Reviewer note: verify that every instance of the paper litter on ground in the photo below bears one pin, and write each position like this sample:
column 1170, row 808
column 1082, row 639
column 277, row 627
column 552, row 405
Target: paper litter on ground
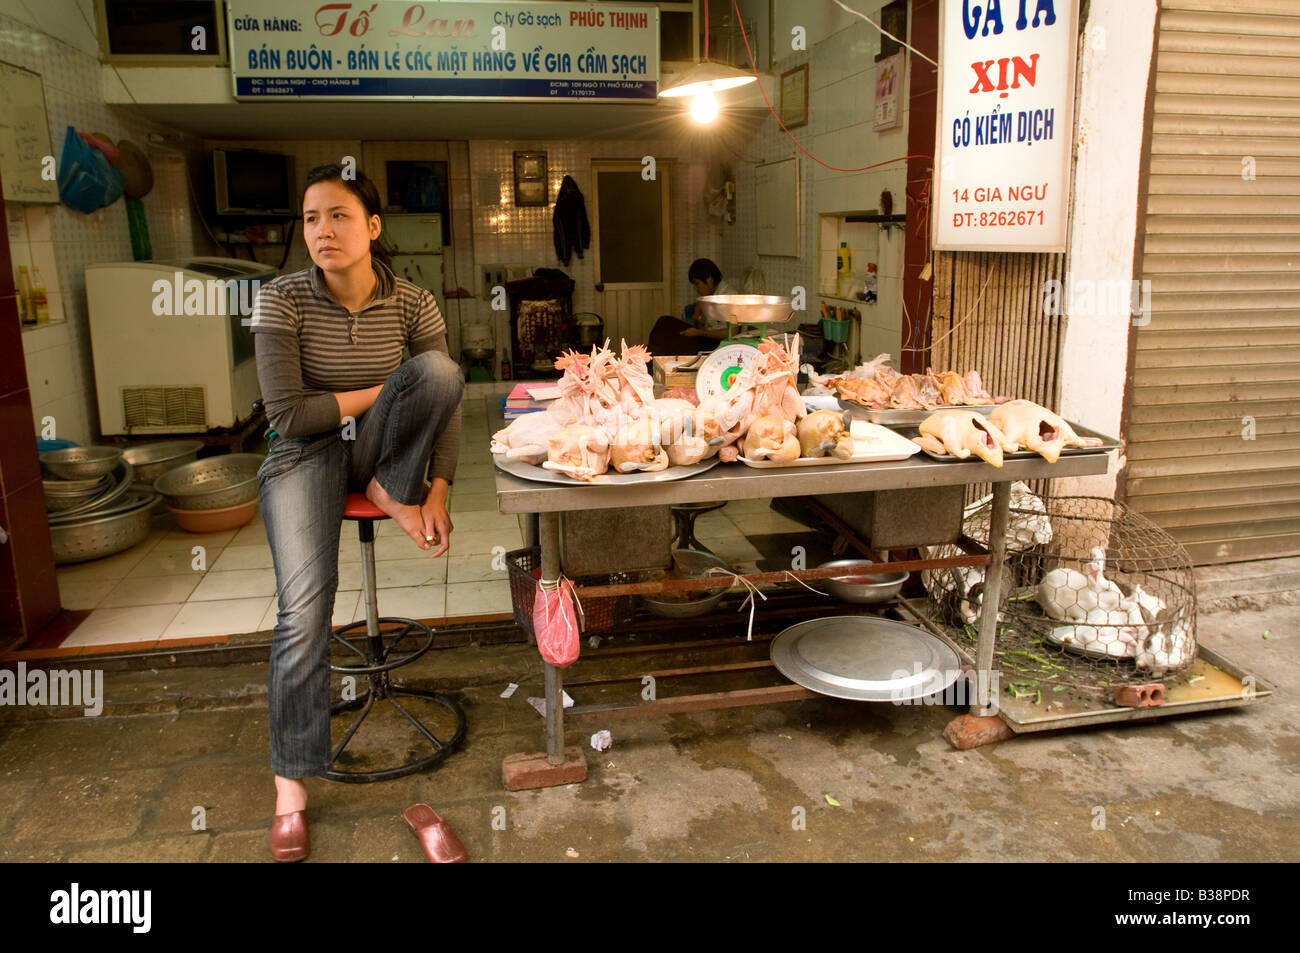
column 601, row 740
column 510, row 690
column 540, row 703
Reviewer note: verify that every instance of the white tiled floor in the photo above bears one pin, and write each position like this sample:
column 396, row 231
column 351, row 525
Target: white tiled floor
column 166, row 589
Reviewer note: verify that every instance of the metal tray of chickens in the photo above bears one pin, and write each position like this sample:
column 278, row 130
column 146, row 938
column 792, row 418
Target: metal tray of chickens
column 539, row 474
column 894, row 417
column 1107, row 444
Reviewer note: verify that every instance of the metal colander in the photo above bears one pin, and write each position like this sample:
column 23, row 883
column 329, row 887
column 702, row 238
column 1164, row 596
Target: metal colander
column 211, row 483
column 152, row 460
column 79, row 539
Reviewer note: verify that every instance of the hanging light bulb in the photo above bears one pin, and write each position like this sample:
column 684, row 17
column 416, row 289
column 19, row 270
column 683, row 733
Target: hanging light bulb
column 704, row 108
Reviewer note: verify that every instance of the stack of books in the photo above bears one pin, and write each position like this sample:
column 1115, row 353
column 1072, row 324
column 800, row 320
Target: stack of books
column 519, row 402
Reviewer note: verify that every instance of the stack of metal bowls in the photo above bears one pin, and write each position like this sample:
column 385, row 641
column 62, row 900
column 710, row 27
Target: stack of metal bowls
column 212, row 494
column 105, row 531
column 94, row 511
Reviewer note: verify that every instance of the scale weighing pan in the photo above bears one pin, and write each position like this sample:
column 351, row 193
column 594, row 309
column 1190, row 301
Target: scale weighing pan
column 865, row 658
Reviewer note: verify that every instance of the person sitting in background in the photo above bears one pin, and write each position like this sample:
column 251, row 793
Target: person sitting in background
column 675, row 336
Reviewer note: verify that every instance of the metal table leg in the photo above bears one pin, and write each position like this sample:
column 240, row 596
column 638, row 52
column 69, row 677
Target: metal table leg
column 992, row 592
column 549, row 534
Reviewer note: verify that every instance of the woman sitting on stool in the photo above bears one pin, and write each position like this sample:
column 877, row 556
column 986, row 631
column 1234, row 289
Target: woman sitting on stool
column 348, row 415
column 673, row 336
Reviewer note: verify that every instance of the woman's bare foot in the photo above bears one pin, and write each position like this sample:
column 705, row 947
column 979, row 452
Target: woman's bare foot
column 407, row 517
column 290, row 795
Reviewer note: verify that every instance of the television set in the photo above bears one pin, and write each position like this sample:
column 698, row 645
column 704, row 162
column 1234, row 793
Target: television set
column 249, row 182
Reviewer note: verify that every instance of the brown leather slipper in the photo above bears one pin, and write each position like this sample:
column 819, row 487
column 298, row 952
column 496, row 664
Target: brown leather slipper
column 290, row 839
column 440, row 843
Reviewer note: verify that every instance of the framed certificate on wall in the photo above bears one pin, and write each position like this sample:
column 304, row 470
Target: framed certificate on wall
column 794, row 97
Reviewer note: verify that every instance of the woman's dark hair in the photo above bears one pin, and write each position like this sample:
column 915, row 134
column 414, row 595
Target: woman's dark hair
column 704, row 268
column 359, row 184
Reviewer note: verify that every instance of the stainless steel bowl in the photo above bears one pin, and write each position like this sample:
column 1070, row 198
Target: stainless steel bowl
column 57, row 500
column 479, row 353
column 60, row 487
column 81, row 463
column 211, row 483
column 746, row 309
column 95, row 536
column 152, row 460
column 863, row 587
column 691, row 563
column 117, row 485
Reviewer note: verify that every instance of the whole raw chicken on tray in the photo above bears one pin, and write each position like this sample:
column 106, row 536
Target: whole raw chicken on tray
column 1028, row 425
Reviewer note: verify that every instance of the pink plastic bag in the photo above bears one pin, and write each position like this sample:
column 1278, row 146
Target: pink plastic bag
column 555, row 622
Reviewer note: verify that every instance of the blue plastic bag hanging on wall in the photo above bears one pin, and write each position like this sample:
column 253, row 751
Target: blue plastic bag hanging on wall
column 87, row 182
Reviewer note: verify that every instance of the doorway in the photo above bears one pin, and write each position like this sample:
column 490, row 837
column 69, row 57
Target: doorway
column 632, row 234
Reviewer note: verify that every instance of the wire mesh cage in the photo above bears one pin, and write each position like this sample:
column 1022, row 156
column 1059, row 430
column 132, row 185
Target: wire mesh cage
column 1093, row 595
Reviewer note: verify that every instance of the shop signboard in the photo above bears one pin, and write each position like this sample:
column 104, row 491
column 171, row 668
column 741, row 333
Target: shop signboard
column 1004, row 124
column 398, row 49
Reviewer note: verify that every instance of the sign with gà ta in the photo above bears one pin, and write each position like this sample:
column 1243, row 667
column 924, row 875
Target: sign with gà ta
column 1004, row 125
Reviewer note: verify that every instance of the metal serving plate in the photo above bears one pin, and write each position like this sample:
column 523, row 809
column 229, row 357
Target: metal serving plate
column 528, row 471
column 865, row 658
column 890, row 417
column 1107, row 444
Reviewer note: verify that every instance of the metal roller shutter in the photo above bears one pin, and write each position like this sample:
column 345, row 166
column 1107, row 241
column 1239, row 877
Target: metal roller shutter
column 1220, row 358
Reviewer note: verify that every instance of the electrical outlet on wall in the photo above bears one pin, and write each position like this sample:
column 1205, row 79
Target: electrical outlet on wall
column 490, row 276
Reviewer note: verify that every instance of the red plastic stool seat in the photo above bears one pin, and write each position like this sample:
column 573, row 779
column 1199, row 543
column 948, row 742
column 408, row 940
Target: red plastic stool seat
column 359, row 508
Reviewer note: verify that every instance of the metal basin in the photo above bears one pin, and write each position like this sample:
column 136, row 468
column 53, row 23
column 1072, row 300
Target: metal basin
column 152, row 460
column 94, row 536
column 863, row 587
column 211, row 483
column 67, row 494
column 746, row 309
column 692, row 564
column 81, row 463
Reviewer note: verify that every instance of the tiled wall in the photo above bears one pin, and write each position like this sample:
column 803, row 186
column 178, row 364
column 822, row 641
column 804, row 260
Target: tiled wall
column 841, row 77
column 59, row 362
column 487, row 227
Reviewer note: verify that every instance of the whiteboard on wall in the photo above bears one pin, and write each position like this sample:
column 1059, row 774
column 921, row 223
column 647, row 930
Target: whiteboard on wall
column 24, row 137
column 776, row 197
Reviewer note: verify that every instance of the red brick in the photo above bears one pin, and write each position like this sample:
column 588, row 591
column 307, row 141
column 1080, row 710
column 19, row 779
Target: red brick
column 1140, row 696
column 521, row 772
column 971, row 731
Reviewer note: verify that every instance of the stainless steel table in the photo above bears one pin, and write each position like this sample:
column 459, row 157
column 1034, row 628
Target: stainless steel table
column 735, row 481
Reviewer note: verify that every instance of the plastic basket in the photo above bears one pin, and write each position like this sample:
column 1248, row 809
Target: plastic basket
column 599, row 613
column 837, row 332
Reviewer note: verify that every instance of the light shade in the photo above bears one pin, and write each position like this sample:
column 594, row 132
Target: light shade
column 708, row 76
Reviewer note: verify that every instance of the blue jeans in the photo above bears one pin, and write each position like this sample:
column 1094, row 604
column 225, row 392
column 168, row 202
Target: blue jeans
column 304, row 483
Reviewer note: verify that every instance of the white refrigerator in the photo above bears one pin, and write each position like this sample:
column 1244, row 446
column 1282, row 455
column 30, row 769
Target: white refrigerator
column 415, row 240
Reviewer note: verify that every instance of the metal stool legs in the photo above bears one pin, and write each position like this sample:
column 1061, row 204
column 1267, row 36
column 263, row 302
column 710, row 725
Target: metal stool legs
column 376, row 660
column 684, row 515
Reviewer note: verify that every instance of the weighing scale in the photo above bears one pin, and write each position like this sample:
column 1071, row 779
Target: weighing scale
column 718, row 372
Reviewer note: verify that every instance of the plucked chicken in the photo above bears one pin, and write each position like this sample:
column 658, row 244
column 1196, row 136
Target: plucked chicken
column 825, row 432
column 636, row 447
column 1036, row 428
column 581, row 451
column 961, row 433
column 772, row 437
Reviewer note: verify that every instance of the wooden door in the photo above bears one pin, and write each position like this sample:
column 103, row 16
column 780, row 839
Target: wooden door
column 632, row 236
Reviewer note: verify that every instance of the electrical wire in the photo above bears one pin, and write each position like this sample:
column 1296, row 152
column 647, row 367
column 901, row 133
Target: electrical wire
column 900, row 42
column 875, row 165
